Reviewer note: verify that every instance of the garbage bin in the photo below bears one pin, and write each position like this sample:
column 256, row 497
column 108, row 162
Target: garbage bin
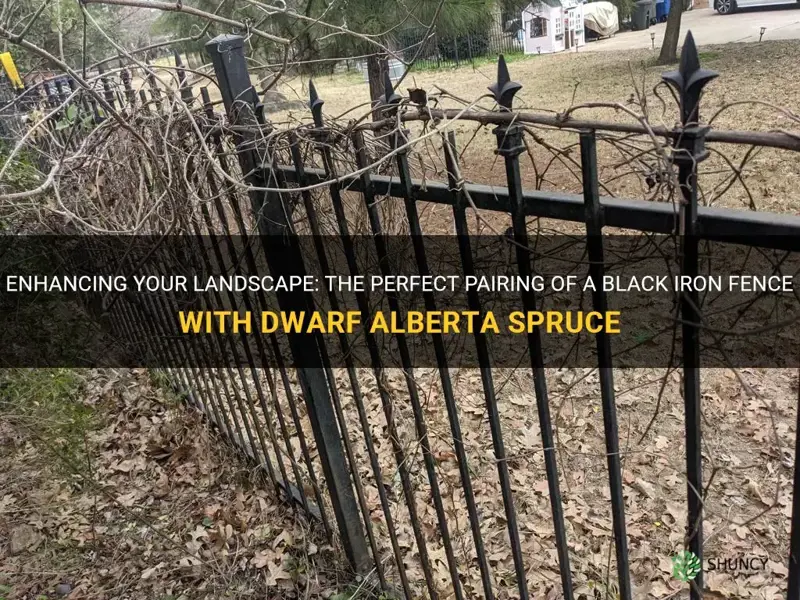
column 642, row 11
column 662, row 10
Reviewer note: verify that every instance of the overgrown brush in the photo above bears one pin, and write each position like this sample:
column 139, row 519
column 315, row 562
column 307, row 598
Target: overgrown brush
column 47, row 404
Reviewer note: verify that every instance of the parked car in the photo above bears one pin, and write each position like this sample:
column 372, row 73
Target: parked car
column 726, row 7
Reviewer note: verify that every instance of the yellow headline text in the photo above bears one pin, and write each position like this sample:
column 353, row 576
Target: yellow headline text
column 411, row 322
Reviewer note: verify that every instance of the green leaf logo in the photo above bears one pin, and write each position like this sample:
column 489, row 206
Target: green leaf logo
column 685, row 566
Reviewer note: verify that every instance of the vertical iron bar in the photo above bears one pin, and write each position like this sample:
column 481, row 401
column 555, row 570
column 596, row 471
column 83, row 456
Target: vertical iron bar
column 793, row 592
column 687, row 177
column 444, row 375
column 400, row 457
column 594, row 241
column 510, row 146
column 284, row 258
column 484, row 362
column 325, row 270
column 363, row 303
column 689, row 81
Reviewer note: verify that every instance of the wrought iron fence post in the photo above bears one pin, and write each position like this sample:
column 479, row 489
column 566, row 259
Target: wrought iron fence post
column 186, row 90
column 108, row 93
column 130, row 94
column 62, row 96
column 510, row 144
column 284, row 258
column 596, row 254
column 793, row 592
column 689, row 149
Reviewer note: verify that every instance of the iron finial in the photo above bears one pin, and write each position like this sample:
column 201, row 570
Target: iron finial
column 258, row 109
column 206, row 98
column 504, row 90
column 418, row 96
column 178, row 60
column 315, row 103
column 689, row 80
column 389, row 97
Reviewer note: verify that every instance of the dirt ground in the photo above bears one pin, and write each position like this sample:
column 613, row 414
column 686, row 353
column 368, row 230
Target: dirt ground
column 748, row 449
column 111, row 488
column 757, row 89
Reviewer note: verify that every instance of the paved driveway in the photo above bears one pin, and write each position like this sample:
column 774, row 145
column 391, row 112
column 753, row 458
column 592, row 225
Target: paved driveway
column 708, row 27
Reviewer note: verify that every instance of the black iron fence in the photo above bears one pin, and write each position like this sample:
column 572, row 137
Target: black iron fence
column 434, row 51
column 289, row 418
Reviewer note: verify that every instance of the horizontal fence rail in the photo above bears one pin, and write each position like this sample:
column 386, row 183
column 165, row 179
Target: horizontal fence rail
column 761, row 229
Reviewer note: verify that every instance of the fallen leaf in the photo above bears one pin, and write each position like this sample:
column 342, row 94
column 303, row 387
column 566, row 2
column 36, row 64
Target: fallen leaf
column 148, row 573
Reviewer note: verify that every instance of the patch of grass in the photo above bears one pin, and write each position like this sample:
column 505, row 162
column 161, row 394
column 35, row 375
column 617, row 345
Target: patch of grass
column 709, row 55
column 160, row 381
column 22, row 174
column 47, row 401
column 482, row 61
column 352, row 76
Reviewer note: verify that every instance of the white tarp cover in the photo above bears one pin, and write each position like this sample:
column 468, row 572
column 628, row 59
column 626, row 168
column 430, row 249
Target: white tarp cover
column 601, row 17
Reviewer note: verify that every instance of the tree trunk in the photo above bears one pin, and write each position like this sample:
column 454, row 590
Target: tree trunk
column 669, row 48
column 377, row 67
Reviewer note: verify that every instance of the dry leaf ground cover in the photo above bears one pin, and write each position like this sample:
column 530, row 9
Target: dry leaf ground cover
column 111, row 488
column 749, row 416
column 748, row 448
column 757, row 82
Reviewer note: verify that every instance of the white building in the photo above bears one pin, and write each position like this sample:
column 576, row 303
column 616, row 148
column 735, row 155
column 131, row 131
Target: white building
column 553, row 26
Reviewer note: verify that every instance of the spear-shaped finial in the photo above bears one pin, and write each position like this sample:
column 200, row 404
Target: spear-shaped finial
column 315, row 103
column 689, row 80
column 504, row 89
column 178, row 59
column 389, row 97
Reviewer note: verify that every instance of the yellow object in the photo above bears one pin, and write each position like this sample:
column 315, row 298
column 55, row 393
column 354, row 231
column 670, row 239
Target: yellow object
column 11, row 70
